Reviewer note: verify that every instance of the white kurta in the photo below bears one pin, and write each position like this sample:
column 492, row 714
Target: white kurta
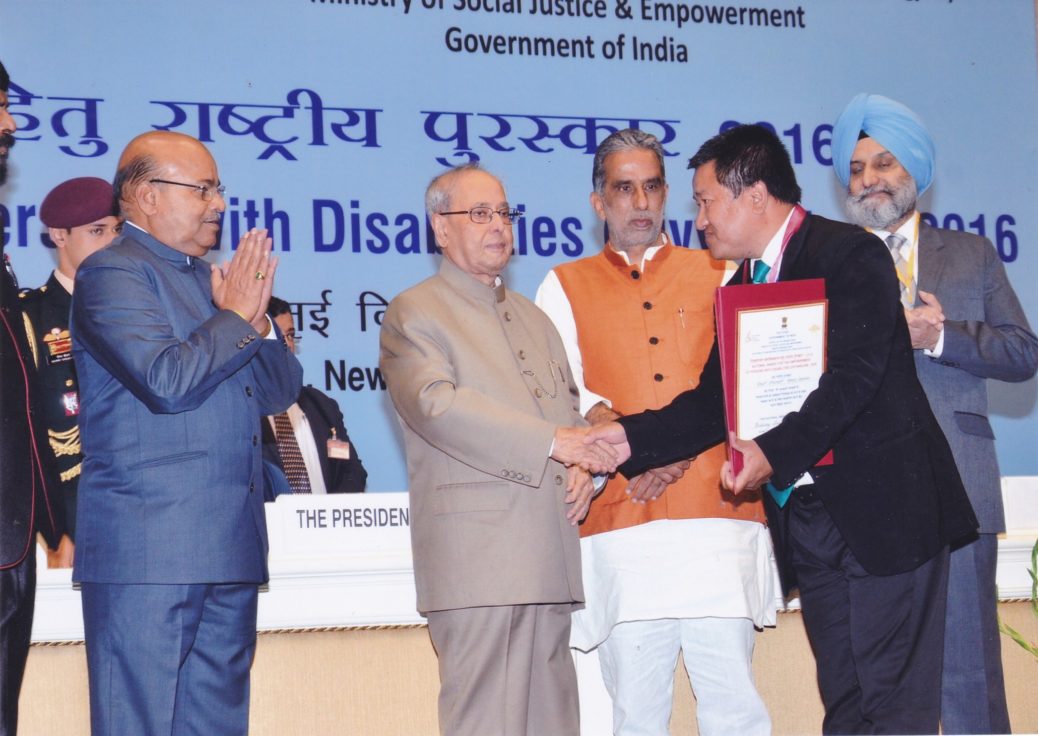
column 675, row 568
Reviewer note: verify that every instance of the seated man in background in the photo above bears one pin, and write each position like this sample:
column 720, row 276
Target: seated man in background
column 308, row 443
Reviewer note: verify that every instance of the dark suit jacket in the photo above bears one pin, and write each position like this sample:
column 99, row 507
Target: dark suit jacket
column 986, row 335
column 173, row 393
column 323, row 415
column 893, row 489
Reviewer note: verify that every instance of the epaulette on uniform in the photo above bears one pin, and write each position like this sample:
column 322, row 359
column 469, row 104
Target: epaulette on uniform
column 32, row 294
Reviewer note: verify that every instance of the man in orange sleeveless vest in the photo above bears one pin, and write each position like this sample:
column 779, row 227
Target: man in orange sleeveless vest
column 670, row 561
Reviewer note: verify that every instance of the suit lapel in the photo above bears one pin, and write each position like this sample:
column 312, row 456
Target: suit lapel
column 741, row 275
column 931, row 259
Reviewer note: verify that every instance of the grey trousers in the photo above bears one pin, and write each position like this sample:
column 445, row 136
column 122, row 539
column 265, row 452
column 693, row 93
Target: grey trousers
column 506, row 671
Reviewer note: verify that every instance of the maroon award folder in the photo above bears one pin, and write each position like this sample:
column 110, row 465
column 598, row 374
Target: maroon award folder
column 771, row 340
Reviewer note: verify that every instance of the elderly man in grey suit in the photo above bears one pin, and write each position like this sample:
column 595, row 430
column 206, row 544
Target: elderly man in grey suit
column 966, row 326
column 497, row 472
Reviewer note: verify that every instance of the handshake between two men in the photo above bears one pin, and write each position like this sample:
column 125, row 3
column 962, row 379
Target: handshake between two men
column 604, row 448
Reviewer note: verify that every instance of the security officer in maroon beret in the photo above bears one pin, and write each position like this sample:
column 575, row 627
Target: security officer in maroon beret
column 79, row 215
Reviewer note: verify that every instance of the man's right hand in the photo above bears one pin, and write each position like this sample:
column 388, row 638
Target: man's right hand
column 245, row 284
column 925, row 322
column 613, row 435
column 571, row 448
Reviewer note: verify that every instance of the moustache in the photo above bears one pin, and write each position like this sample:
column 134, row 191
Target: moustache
column 6, row 140
column 875, row 189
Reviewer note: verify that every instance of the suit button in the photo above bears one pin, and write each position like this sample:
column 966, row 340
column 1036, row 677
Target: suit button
column 654, row 341
column 522, row 355
column 255, row 440
column 240, row 344
column 658, row 377
column 508, row 316
column 248, row 390
column 635, row 275
column 252, row 487
column 558, row 480
column 526, row 478
column 504, row 473
column 538, row 393
column 647, row 305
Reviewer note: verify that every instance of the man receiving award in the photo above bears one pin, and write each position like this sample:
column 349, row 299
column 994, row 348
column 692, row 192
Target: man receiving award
column 864, row 538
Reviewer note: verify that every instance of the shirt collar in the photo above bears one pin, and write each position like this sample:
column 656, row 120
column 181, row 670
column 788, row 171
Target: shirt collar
column 157, row 247
column 774, row 248
column 651, row 251
column 909, row 230
column 469, row 285
column 64, row 280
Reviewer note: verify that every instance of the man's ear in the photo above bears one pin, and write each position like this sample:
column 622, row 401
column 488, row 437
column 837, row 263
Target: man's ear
column 145, row 196
column 599, row 205
column 439, row 227
column 759, row 196
column 58, row 236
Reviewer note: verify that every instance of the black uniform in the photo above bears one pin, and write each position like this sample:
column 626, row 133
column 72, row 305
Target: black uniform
column 24, row 502
column 46, row 314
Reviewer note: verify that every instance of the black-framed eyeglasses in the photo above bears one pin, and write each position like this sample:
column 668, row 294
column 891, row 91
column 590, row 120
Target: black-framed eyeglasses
column 483, row 215
column 205, row 191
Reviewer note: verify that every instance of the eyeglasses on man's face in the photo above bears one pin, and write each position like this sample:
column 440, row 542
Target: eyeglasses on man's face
column 205, row 191
column 483, row 215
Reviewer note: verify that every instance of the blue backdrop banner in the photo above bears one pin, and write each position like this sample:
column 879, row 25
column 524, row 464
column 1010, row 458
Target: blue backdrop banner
column 329, row 117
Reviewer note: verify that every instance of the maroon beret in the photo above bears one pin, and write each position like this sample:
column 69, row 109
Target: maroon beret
column 77, row 202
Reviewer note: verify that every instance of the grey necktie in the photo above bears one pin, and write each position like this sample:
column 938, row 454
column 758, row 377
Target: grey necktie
column 894, row 243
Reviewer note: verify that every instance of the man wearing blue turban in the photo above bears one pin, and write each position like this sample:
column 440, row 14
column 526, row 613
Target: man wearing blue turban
column 966, row 326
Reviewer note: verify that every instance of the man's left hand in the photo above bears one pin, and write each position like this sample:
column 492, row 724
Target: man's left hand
column 580, row 489
column 755, row 467
column 651, row 484
column 63, row 556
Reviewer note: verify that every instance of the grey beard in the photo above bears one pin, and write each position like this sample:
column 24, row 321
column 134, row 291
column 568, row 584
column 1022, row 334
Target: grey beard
column 880, row 215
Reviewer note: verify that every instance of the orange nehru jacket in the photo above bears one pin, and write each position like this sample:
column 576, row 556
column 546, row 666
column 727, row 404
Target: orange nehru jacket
column 644, row 337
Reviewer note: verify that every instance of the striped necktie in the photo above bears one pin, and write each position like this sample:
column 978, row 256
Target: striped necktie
column 904, row 275
column 291, row 457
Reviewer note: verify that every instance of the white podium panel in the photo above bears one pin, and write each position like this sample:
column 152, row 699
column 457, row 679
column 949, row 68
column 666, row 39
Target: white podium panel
column 335, row 560
column 345, row 560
